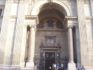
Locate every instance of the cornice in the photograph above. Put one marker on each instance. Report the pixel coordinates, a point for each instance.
(71, 18)
(71, 21)
(13, 17)
(30, 17)
(89, 18)
(76, 18)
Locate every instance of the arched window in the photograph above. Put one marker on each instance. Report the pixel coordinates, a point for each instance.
(59, 24)
(50, 23)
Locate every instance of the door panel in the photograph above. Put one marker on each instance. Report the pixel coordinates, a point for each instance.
(49, 60)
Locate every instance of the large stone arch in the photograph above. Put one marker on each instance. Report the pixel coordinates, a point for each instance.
(36, 9)
(37, 6)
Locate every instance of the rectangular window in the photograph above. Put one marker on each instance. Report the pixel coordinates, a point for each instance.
(50, 23)
(50, 40)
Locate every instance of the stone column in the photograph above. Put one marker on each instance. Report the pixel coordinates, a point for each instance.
(71, 64)
(31, 48)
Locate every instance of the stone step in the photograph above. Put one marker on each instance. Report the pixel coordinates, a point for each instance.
(15, 69)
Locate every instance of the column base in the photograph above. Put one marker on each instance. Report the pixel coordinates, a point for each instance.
(22, 64)
(71, 66)
(30, 65)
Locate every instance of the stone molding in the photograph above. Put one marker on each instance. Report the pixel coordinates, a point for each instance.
(71, 21)
(71, 18)
(30, 17)
(35, 9)
(13, 17)
(31, 21)
(89, 18)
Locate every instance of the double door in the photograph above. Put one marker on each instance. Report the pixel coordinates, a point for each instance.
(48, 59)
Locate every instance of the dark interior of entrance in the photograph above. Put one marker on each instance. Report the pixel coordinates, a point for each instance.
(49, 60)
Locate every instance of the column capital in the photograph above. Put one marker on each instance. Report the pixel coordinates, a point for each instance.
(71, 21)
(70, 25)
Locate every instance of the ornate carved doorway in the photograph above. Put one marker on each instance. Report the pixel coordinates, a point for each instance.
(49, 58)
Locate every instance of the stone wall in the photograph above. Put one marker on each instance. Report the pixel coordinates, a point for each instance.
(78, 8)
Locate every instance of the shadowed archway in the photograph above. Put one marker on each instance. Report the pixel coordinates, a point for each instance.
(51, 37)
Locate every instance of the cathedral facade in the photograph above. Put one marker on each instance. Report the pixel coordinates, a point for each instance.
(46, 34)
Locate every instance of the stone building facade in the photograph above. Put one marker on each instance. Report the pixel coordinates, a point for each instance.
(46, 34)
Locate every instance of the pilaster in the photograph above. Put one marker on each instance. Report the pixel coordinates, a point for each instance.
(23, 46)
(19, 35)
(82, 32)
(89, 27)
(6, 33)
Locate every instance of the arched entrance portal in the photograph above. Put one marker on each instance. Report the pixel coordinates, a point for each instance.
(51, 37)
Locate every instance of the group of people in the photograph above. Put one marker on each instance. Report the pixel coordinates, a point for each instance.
(63, 67)
(59, 67)
(80, 67)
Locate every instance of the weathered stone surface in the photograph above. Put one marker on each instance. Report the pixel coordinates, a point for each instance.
(13, 34)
